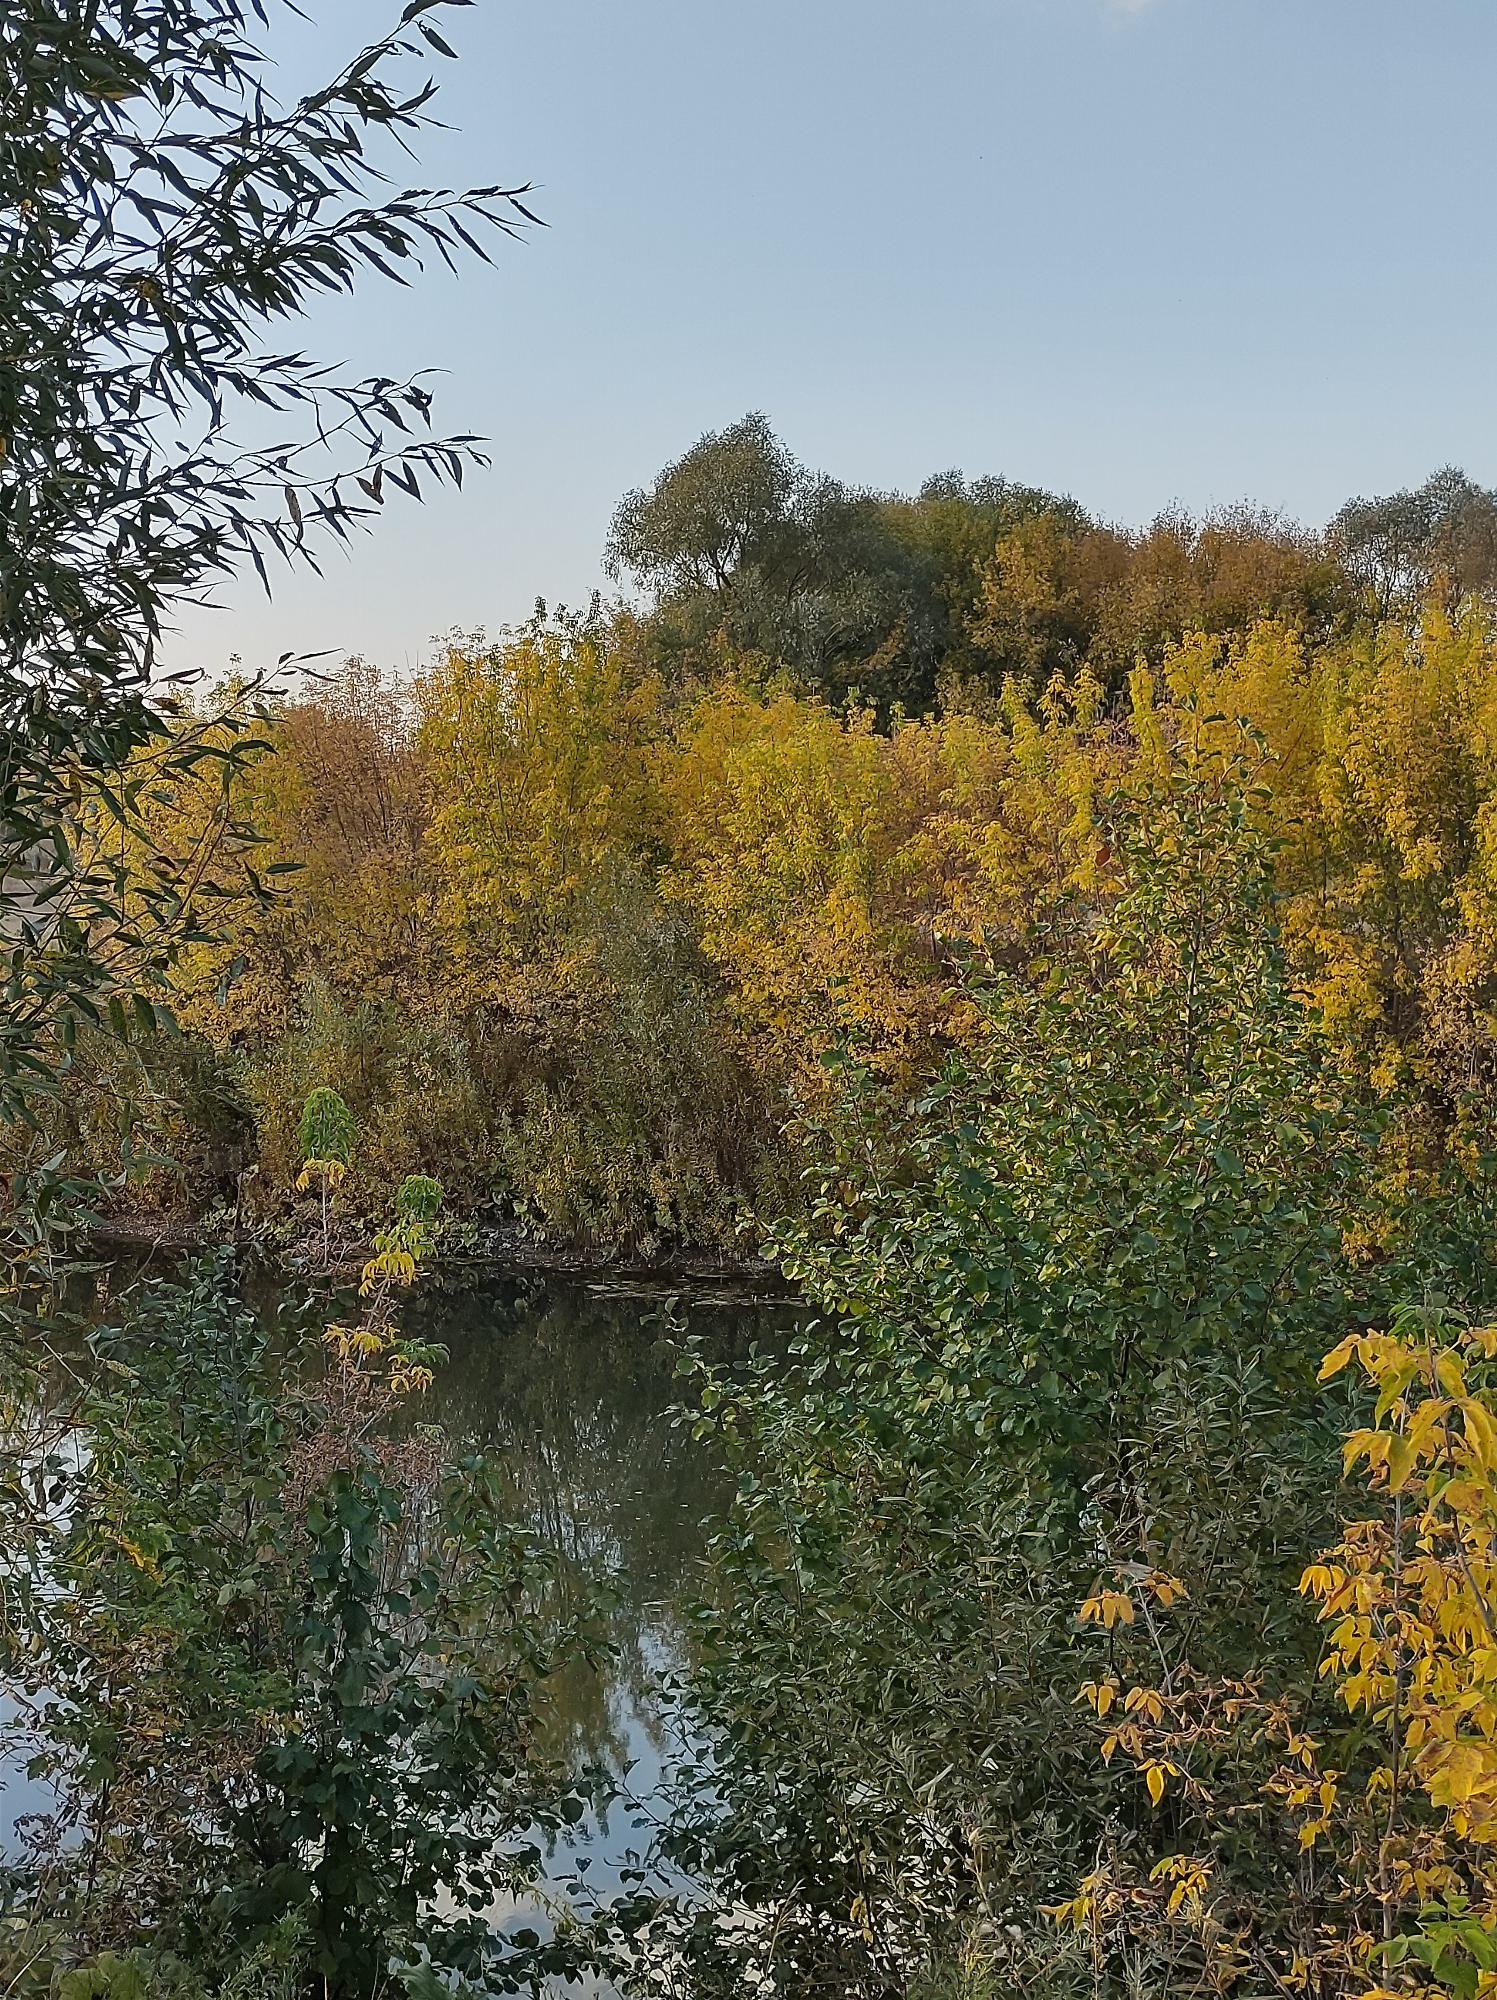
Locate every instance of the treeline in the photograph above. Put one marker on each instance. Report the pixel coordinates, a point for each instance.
(925, 602)
(574, 921)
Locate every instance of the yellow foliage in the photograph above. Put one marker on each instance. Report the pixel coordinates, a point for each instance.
(832, 868)
(1410, 1598)
(478, 850)
(1400, 1851)
(1108, 1608)
(536, 768)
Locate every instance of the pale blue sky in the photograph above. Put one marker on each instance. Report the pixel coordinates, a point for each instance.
(1193, 250)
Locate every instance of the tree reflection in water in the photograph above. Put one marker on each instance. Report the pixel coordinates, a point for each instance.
(575, 1383)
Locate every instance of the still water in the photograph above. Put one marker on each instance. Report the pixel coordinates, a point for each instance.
(574, 1384)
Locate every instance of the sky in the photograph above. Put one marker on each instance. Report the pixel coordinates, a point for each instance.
(1146, 252)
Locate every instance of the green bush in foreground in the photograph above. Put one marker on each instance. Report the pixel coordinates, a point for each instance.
(289, 1668)
(1075, 1300)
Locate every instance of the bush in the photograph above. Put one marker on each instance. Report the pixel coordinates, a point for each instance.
(1076, 1297)
(288, 1666)
(407, 1080)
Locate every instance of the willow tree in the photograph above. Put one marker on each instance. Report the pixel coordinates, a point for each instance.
(162, 217)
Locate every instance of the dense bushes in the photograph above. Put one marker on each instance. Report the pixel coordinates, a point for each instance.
(574, 920)
(590, 965)
(1059, 1430)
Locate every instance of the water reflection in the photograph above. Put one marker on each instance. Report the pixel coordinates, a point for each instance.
(573, 1382)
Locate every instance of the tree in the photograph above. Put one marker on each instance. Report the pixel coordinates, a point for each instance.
(162, 216)
(1401, 544)
(850, 591)
(709, 513)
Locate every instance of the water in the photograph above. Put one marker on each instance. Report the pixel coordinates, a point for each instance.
(574, 1384)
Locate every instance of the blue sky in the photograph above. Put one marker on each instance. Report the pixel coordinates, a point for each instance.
(1143, 251)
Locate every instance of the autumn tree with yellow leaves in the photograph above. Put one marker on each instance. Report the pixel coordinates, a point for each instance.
(574, 920)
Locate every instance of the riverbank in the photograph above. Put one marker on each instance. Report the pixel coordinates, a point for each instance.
(496, 1247)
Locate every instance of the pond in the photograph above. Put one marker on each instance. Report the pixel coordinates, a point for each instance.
(574, 1382)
